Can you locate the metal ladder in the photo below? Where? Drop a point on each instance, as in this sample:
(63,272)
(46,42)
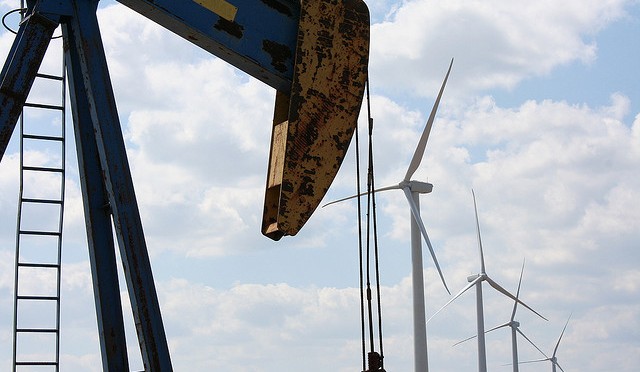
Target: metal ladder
(36,326)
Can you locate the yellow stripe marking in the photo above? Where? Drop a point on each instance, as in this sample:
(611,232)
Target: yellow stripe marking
(220,7)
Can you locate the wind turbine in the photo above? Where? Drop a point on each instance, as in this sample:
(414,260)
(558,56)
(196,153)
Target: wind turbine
(515,329)
(476,280)
(553,359)
(412,190)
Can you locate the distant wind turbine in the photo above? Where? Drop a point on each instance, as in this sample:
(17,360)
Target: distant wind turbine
(515,329)
(476,280)
(412,190)
(553,359)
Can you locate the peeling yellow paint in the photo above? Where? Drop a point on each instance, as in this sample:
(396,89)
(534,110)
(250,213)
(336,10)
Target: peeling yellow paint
(313,124)
(222,8)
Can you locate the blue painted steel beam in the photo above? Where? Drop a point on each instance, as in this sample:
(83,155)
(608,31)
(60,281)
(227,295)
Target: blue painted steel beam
(19,71)
(119,186)
(257,36)
(102,257)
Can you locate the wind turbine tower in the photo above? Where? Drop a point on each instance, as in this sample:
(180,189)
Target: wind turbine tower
(412,190)
(514,325)
(476,281)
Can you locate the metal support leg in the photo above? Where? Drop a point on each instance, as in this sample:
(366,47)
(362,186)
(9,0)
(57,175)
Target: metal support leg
(117,176)
(98,220)
(19,71)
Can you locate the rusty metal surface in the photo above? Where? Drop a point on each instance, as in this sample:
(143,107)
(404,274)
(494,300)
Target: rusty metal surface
(19,71)
(328,86)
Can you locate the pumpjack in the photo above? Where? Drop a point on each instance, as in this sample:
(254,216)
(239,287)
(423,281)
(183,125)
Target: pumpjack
(313,52)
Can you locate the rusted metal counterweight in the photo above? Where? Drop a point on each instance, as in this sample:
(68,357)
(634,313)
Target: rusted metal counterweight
(314,123)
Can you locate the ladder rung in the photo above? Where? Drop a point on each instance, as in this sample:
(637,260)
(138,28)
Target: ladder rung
(41,201)
(39,265)
(20,363)
(44,106)
(32,232)
(36,330)
(43,169)
(38,298)
(42,137)
(50,77)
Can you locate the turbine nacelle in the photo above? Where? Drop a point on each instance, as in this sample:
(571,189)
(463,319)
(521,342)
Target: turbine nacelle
(416,186)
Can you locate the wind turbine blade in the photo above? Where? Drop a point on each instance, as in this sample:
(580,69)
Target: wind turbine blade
(497,327)
(474,336)
(515,303)
(394,187)
(531,342)
(555,349)
(465,340)
(499,288)
(558,365)
(533,361)
(416,215)
(456,296)
(475,208)
(422,143)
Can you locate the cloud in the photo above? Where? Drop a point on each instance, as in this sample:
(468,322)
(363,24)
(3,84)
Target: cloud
(573,162)
(496,44)
(257,327)
(556,183)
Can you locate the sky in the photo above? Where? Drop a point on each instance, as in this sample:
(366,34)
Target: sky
(540,117)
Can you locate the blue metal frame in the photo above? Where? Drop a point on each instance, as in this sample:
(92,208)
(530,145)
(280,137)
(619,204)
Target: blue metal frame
(19,71)
(260,40)
(104,171)
(257,36)
(119,186)
(104,272)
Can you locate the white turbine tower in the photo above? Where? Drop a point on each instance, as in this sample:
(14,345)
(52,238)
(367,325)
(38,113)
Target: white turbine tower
(515,329)
(553,359)
(476,280)
(412,190)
